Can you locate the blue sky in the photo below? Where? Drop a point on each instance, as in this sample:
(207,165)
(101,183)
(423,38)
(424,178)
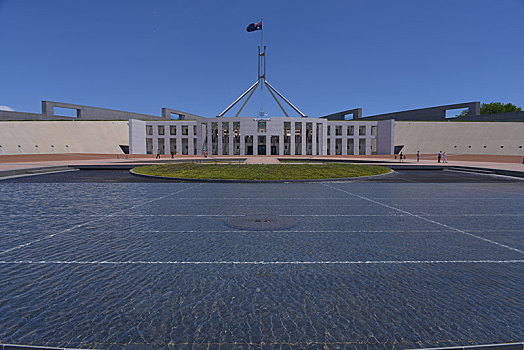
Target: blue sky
(325,56)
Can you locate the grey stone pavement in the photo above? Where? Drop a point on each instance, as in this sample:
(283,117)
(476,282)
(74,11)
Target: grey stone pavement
(340,265)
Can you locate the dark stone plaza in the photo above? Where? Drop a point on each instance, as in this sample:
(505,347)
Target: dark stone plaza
(109,261)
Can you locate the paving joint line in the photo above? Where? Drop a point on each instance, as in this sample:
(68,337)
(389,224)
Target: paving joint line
(92,221)
(233,262)
(429,220)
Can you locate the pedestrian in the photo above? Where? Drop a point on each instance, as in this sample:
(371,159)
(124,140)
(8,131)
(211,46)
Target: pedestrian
(172,154)
(400,156)
(444,157)
(158,155)
(439,156)
(205,154)
(418,156)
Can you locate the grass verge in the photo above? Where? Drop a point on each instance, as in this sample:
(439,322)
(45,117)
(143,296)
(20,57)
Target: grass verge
(261,171)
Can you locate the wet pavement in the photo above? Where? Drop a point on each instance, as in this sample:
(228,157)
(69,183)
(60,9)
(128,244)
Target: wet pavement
(401,176)
(102,259)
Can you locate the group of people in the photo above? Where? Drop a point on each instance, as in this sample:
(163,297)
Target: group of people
(158,155)
(441,157)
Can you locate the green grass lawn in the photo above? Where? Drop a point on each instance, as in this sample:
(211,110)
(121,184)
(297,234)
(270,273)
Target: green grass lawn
(261,171)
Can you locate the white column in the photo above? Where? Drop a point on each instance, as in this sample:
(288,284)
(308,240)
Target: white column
(303,136)
(219,145)
(231,136)
(314,139)
(292,143)
(344,140)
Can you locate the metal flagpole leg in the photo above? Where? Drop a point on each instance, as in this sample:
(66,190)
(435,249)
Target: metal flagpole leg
(238,99)
(247,99)
(282,97)
(282,108)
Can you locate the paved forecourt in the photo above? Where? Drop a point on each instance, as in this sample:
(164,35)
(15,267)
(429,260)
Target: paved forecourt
(349,264)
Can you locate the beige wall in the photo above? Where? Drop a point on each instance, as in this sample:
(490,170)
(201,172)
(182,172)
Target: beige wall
(79,136)
(431,137)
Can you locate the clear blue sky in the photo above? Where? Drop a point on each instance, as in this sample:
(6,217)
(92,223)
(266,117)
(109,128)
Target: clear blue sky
(325,56)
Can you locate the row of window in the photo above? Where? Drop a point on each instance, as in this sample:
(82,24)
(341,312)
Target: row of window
(262,128)
(161,130)
(351,130)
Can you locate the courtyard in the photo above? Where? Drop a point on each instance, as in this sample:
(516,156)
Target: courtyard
(109,261)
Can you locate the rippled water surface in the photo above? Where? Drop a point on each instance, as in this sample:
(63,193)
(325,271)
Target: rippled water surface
(159,265)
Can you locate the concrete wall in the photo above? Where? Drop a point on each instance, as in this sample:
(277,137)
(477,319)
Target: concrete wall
(498,117)
(94,113)
(461,138)
(427,114)
(137,142)
(8,115)
(385,136)
(168,112)
(63,137)
(355,113)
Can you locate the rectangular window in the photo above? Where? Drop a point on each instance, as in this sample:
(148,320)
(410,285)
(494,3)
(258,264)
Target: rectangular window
(225,138)
(236,138)
(249,145)
(338,147)
(172,146)
(362,146)
(185,146)
(274,145)
(149,146)
(194,130)
(185,130)
(287,138)
(298,128)
(309,138)
(350,147)
(351,130)
(261,145)
(362,130)
(329,130)
(262,127)
(161,130)
(214,138)
(172,130)
(298,139)
(161,149)
(149,129)
(287,129)
(373,131)
(338,130)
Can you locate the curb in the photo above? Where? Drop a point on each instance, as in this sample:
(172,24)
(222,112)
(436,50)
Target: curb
(500,346)
(34,171)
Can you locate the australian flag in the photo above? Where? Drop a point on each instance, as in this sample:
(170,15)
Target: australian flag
(254,26)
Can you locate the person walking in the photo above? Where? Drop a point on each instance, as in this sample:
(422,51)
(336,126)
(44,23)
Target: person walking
(418,156)
(401,156)
(439,156)
(157,155)
(444,158)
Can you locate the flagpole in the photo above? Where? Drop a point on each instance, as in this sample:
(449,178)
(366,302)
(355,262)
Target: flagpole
(259,62)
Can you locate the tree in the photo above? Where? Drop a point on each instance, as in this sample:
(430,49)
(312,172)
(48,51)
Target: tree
(494,107)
